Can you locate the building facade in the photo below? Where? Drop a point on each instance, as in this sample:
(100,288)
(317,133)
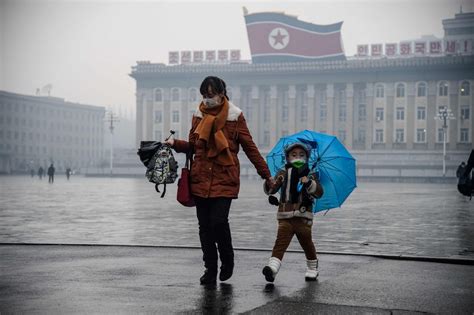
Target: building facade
(375,106)
(37,131)
(368,104)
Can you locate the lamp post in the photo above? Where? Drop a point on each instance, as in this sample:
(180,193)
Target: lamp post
(444,115)
(111,119)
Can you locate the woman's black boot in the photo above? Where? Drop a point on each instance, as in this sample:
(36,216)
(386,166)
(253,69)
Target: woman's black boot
(209,277)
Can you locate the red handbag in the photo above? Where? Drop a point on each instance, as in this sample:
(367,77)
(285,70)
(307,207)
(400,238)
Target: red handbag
(184,195)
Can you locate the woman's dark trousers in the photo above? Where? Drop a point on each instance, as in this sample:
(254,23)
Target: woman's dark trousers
(213,214)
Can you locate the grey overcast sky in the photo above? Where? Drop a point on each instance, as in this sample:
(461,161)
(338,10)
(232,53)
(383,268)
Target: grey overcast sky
(85,48)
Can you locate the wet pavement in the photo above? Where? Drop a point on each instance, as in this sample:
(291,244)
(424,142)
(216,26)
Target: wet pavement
(117,280)
(378,218)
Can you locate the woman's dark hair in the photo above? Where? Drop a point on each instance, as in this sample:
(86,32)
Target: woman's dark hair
(217,86)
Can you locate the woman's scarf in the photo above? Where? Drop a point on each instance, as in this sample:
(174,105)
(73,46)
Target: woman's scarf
(210,130)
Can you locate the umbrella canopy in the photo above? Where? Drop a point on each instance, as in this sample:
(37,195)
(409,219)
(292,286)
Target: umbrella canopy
(328,158)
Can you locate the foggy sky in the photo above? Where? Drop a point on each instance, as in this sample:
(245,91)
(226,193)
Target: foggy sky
(85,48)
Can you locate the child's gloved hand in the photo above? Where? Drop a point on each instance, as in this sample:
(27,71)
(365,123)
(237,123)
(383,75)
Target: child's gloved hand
(305,181)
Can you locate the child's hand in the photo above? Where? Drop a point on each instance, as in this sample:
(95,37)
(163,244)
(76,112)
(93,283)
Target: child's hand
(304,179)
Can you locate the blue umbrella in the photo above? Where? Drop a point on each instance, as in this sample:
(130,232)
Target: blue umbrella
(329,159)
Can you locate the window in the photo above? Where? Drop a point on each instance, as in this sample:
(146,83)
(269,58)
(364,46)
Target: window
(158,95)
(400,113)
(443,89)
(323,112)
(342,112)
(342,135)
(421,113)
(193,95)
(400,135)
(362,112)
(421,90)
(400,90)
(284,112)
(175,95)
(465,88)
(158,116)
(361,135)
(323,97)
(440,135)
(158,135)
(421,135)
(379,114)
(266,105)
(465,112)
(304,112)
(379,91)
(175,116)
(266,138)
(379,135)
(464,135)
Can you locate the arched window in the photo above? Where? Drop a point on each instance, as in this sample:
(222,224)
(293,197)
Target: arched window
(379,91)
(400,90)
(465,88)
(443,88)
(175,95)
(421,89)
(158,95)
(193,95)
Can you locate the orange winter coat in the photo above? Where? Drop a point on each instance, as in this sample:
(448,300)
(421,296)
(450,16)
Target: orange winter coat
(209,179)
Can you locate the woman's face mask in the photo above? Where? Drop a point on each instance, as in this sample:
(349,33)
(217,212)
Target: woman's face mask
(210,102)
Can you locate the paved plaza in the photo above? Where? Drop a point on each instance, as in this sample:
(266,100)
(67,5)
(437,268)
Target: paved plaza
(378,218)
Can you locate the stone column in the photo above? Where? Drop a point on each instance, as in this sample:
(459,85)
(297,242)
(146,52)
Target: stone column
(291,109)
(431,112)
(330,109)
(453,130)
(389,113)
(274,116)
(311,107)
(255,108)
(349,126)
(410,115)
(370,132)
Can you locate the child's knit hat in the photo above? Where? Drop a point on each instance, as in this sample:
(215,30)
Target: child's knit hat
(301,145)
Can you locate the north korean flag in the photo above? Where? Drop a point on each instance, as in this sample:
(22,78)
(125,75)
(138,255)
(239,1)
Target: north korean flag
(277,37)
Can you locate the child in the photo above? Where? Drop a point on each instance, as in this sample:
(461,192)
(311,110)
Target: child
(299,187)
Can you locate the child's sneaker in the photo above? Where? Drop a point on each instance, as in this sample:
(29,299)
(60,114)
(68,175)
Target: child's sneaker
(312,270)
(270,271)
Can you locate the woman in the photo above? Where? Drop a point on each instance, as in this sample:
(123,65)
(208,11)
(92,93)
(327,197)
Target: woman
(218,127)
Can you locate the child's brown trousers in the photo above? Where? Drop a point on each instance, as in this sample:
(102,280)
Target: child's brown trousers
(289,227)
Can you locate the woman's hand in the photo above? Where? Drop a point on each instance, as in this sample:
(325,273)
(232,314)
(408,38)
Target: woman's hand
(270,183)
(170,141)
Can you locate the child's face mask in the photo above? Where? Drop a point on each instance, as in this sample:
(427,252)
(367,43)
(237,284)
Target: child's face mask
(297,157)
(298,163)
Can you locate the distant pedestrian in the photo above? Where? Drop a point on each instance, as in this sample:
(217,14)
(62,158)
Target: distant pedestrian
(32,173)
(40,172)
(68,173)
(299,186)
(51,171)
(461,169)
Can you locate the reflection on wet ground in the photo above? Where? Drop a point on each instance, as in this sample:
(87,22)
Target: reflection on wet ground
(389,218)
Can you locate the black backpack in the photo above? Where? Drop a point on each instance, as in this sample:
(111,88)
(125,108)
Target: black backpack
(465,182)
(161,165)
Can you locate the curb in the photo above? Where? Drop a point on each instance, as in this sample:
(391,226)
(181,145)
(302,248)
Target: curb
(443,260)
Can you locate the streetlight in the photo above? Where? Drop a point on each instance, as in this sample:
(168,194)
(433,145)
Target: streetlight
(444,115)
(111,119)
